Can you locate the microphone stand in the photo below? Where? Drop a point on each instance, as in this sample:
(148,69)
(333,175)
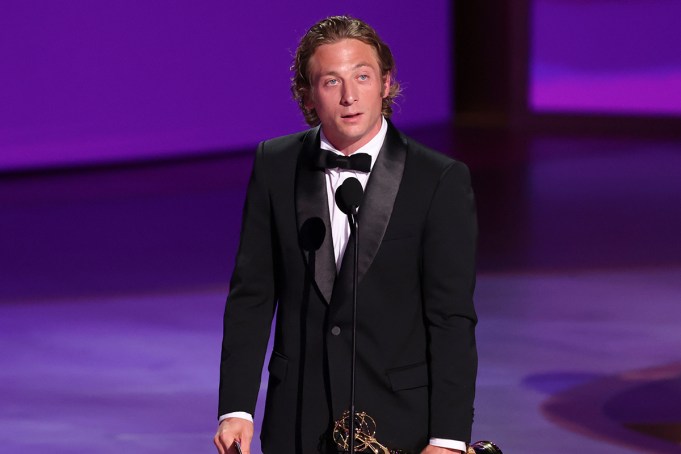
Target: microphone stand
(354,228)
(348,198)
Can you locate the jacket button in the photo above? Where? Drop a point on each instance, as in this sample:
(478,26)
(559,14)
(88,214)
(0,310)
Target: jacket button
(335,330)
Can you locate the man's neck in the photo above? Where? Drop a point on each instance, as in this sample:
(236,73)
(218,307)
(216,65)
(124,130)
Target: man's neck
(349,149)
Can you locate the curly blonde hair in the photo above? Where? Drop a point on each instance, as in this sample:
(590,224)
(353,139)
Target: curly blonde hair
(331,30)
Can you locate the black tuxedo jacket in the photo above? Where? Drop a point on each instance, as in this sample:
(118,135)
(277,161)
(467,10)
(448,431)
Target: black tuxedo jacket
(417,359)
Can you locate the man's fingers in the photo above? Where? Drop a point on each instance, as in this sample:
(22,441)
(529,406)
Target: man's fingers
(231,430)
(223,441)
(246,443)
(218,444)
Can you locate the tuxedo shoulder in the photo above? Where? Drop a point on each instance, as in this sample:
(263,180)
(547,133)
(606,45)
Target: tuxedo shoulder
(284,144)
(432,160)
(279,155)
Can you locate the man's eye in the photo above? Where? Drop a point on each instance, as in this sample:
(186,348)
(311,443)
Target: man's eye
(332,82)
(363,77)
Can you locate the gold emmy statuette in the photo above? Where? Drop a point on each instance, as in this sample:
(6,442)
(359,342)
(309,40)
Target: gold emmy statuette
(483,447)
(365,437)
(365,434)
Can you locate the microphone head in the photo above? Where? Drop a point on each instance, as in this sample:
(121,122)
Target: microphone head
(312,234)
(349,195)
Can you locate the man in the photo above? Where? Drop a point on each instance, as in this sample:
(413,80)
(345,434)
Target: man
(416,355)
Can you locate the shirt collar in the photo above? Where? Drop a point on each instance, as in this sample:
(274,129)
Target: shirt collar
(372,148)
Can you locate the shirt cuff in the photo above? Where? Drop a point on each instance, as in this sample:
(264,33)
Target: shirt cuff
(445,443)
(236,414)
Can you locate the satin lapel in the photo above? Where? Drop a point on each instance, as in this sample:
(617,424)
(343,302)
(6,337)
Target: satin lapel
(312,202)
(377,206)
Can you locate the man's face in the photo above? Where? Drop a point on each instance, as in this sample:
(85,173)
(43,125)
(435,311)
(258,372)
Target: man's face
(347,92)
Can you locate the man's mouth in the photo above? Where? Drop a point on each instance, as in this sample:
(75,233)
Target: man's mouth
(351,115)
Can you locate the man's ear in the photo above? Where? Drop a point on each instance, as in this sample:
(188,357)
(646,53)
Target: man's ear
(308,101)
(386,85)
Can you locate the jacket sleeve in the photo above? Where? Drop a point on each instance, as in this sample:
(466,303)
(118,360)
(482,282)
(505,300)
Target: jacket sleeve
(448,281)
(251,301)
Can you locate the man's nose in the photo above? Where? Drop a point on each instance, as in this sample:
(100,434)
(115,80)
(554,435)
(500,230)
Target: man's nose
(349,95)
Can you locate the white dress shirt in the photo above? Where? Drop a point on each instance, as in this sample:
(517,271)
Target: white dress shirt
(340,227)
(340,232)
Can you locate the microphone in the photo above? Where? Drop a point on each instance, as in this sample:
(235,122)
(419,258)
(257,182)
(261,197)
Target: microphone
(312,234)
(349,196)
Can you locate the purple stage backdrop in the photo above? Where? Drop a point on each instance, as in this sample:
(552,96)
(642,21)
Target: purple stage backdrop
(96,82)
(85,81)
(606,56)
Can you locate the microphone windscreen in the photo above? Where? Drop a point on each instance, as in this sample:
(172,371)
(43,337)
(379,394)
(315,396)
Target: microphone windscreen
(312,234)
(349,195)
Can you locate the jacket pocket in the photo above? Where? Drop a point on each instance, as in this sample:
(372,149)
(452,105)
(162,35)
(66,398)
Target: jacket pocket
(408,377)
(277,366)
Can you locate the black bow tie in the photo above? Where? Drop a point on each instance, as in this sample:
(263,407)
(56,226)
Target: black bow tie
(360,162)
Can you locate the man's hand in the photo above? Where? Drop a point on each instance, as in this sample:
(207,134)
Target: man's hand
(231,430)
(430,449)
